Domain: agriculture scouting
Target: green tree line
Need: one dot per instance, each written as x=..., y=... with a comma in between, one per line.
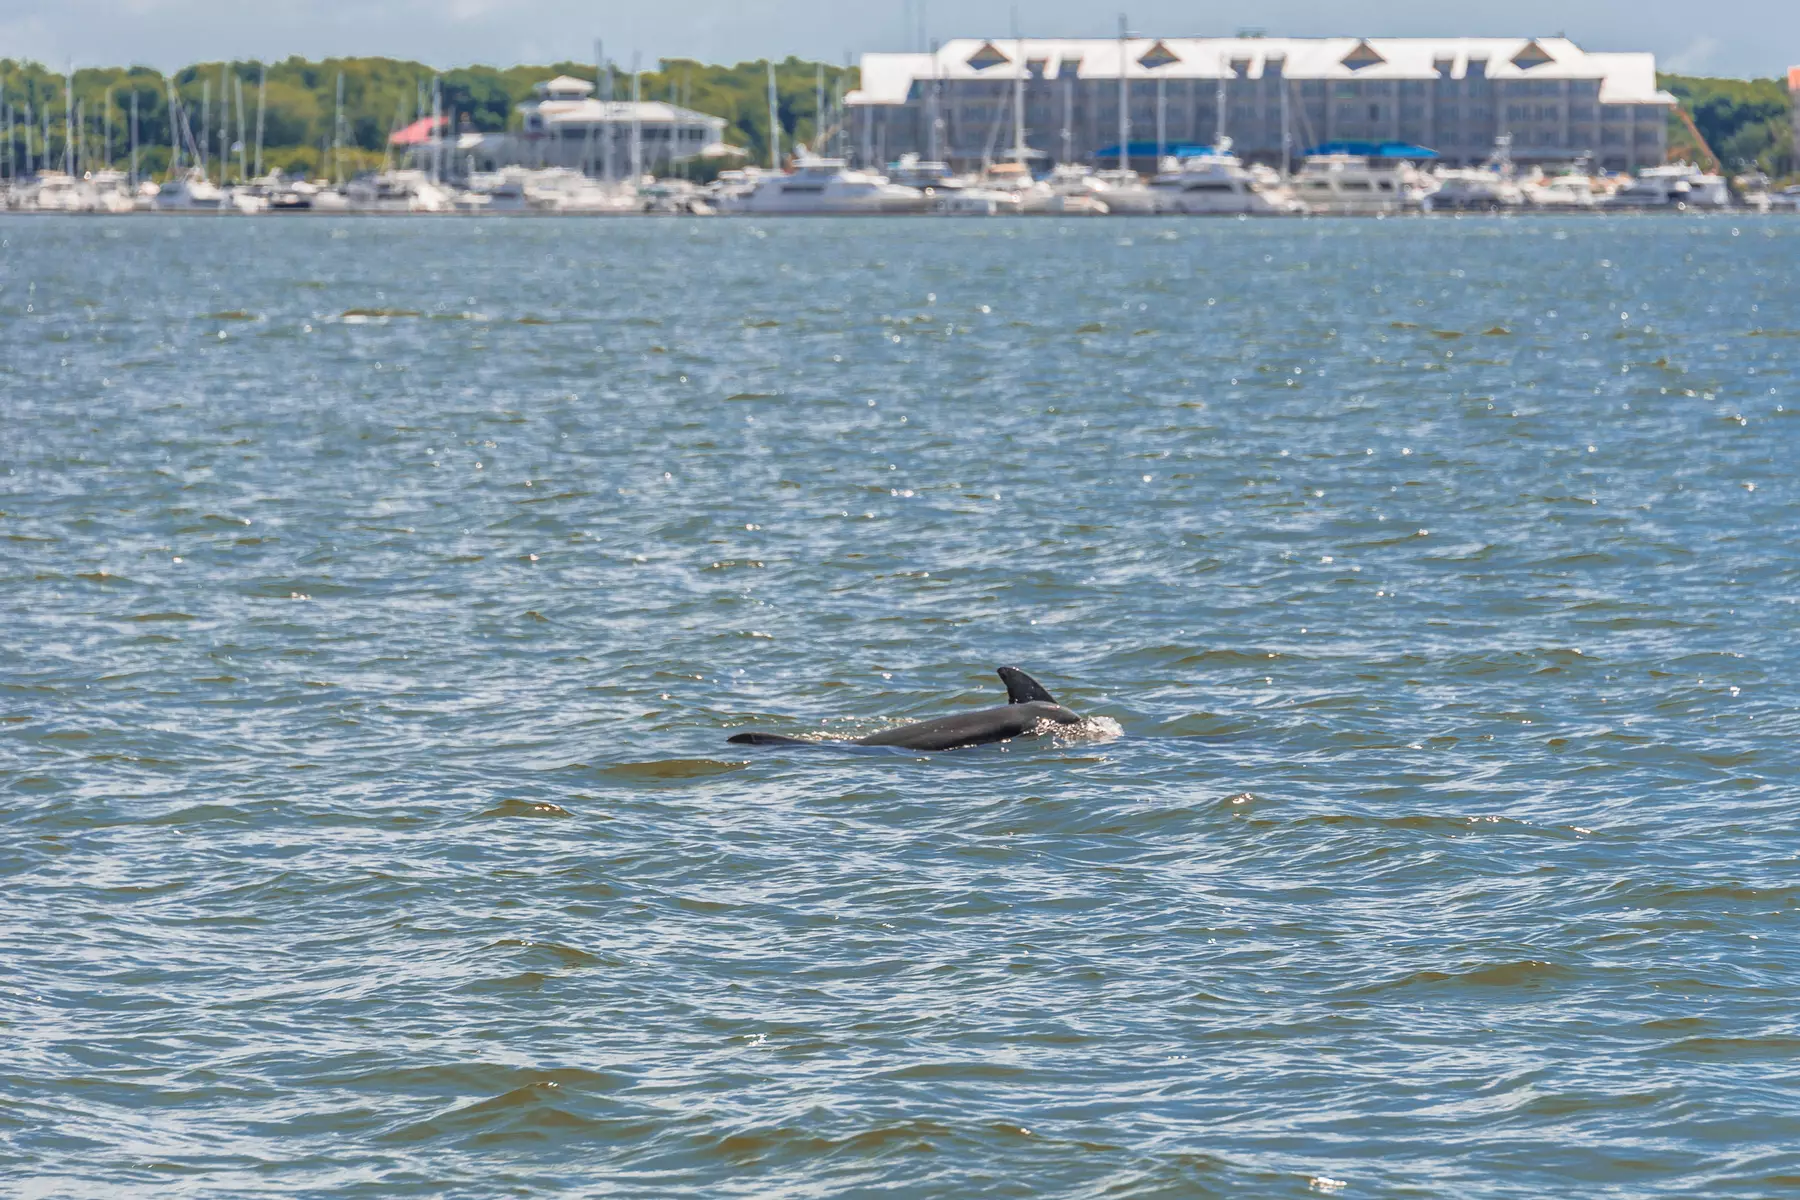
x=1748, y=123
x=85, y=120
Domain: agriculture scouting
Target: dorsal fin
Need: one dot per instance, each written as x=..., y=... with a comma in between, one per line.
x=1022, y=688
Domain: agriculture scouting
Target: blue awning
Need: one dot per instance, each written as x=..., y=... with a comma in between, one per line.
x=1375, y=150
x=1151, y=149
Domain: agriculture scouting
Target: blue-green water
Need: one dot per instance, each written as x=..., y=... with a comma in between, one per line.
x=370, y=829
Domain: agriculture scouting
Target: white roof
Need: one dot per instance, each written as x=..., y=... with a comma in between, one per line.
x=1625, y=78
x=563, y=85
x=599, y=112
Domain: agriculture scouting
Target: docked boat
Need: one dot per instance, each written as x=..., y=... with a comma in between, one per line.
x=669, y=198
x=191, y=192
x=1015, y=178
x=1352, y=185
x=825, y=186
x=1219, y=184
x=1071, y=190
x=978, y=201
x=1473, y=189
x=1676, y=187
x=112, y=192
x=407, y=191
x=57, y=192
x=1570, y=192
x=1124, y=193
x=562, y=190
x=497, y=192
x=929, y=177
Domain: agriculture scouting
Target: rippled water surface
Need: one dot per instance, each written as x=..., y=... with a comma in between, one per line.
x=378, y=596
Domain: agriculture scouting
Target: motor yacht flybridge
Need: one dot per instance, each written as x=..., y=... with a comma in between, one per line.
x=824, y=185
x=1217, y=183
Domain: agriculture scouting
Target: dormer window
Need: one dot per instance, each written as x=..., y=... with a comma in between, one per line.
x=988, y=56
x=1364, y=55
x=1156, y=56
x=1533, y=55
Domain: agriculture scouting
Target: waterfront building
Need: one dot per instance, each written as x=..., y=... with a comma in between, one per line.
x=1273, y=97
x=563, y=125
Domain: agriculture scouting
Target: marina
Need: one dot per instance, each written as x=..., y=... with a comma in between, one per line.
x=1211, y=183
x=1245, y=127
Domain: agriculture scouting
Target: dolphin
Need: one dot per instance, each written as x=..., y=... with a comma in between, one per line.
x=1028, y=708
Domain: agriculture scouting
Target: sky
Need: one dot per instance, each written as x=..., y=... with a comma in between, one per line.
x=1746, y=38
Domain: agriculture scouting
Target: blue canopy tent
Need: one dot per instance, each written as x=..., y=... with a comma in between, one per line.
x=1402, y=150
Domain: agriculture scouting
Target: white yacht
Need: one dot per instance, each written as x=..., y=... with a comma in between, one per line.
x=1124, y=193
x=1352, y=185
x=824, y=185
x=1675, y=186
x=1753, y=186
x=1015, y=178
x=561, y=190
x=56, y=192
x=112, y=192
x=669, y=198
x=978, y=201
x=1573, y=192
x=1071, y=190
x=929, y=177
x=192, y=192
x=1472, y=189
x=1219, y=184
x=502, y=191
x=407, y=191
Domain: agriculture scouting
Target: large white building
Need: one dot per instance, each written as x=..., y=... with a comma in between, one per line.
x=563, y=125
x=1269, y=95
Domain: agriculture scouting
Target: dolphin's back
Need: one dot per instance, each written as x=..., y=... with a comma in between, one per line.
x=972, y=728
x=1030, y=708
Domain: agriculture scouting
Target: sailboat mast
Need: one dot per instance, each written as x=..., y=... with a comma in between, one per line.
x=637, y=122
x=774, y=122
x=606, y=151
x=1124, y=103
x=1162, y=119
x=106, y=152
x=134, y=138
x=1287, y=134
x=237, y=86
x=437, y=129
x=224, y=125
x=1068, y=121
x=604, y=124
x=205, y=128
x=69, y=122
x=337, y=135
x=174, y=141
x=819, y=108
x=1018, y=153
x=933, y=148
x=1219, y=106
x=262, y=102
